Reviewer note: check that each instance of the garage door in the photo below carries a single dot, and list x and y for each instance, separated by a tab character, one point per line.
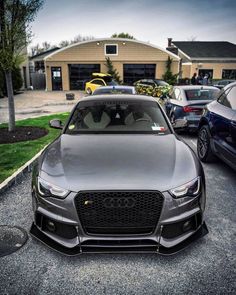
79	74
134	72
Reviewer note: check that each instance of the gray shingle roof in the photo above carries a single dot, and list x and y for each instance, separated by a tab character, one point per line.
44	53
202	49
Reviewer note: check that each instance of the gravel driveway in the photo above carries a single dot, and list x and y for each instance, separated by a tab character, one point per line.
207	267
37	103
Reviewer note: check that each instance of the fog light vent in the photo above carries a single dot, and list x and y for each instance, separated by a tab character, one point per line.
51	226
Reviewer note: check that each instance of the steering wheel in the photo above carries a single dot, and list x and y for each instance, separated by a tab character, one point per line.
142	119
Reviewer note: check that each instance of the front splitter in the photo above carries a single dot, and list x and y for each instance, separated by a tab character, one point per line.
157	249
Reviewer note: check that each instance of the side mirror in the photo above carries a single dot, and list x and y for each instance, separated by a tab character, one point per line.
56	123
179	123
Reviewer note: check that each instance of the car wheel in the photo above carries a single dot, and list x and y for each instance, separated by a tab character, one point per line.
204	150
89	91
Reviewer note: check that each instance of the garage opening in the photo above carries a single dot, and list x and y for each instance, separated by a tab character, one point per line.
134	72
79	74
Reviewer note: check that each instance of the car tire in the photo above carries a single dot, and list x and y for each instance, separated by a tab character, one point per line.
89	91
204	149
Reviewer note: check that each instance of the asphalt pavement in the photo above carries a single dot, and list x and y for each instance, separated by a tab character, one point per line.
208	266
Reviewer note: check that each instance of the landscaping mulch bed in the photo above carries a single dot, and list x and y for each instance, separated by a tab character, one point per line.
21	134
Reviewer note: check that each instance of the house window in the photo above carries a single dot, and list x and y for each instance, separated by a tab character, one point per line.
111	49
228	74
208	72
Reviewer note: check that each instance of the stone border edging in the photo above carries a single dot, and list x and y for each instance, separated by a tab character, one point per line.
7	183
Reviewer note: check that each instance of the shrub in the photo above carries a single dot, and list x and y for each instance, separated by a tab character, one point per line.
169	77
112	71
17	81
157	91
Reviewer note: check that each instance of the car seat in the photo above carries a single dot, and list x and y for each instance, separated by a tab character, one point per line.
97	119
136	116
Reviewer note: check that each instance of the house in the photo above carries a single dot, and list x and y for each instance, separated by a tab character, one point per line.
68	68
215	58
37	60
37	69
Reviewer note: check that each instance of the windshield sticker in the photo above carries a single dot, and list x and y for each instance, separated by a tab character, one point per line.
157	128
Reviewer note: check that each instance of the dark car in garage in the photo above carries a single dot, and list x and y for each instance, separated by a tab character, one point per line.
217	128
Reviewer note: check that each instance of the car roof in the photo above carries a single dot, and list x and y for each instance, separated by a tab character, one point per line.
233	80
230	85
191	87
116	86
116	97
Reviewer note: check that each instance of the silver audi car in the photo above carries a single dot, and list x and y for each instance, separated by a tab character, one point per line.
118	179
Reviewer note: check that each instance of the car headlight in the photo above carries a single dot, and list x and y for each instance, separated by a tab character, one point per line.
189	189
47	189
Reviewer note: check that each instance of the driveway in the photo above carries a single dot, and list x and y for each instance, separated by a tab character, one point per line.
37	103
207	267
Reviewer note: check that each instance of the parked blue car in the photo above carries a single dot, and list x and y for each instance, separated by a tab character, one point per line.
217	128
186	104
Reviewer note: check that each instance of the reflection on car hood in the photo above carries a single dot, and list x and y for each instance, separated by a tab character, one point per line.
108	162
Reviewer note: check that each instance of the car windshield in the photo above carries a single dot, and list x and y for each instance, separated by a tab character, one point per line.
113	90
121	116
201	94
161	83
111	83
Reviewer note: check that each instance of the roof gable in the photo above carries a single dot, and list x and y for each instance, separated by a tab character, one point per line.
102	41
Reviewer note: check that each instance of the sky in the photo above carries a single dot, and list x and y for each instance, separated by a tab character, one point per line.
147	20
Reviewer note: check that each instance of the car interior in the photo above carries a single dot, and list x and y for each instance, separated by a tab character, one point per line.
116	117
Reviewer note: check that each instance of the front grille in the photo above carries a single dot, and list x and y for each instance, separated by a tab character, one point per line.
119	212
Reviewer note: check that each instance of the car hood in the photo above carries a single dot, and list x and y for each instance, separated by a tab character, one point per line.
108	162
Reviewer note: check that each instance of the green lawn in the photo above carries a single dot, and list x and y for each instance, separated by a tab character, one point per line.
13	156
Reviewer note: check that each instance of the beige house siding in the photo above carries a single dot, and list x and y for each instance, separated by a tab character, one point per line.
216	67
130	51
25	65
93	52
186	71
189	69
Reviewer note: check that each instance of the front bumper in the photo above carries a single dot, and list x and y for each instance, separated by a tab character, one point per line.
181	222
141	247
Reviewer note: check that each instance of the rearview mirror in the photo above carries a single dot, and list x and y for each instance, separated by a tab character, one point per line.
56	123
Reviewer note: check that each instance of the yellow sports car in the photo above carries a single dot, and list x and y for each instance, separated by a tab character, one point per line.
99	79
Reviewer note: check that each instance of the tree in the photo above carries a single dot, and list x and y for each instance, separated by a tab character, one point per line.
41	48
113	72
17	81
64	43
169	77
78	38
192	38
15	33
123	35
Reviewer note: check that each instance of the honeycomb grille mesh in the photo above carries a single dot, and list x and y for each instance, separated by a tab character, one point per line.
119	212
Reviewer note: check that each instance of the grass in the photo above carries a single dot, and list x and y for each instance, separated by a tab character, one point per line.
13	156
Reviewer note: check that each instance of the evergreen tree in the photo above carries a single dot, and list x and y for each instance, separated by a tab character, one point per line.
112	71
169	77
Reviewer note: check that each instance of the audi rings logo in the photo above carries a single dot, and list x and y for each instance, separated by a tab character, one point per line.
125	202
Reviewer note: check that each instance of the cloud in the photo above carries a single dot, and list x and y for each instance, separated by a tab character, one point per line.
147	20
